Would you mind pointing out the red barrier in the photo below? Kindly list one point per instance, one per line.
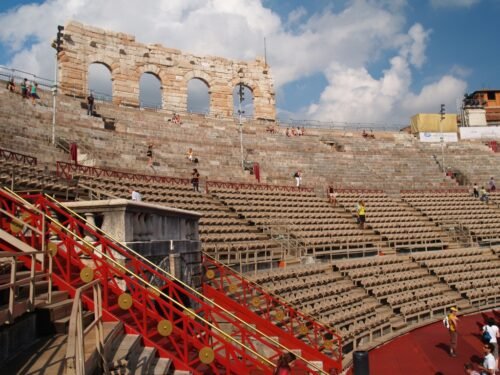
(68, 170)
(16, 156)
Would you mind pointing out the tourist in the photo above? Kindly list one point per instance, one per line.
(475, 190)
(361, 214)
(469, 369)
(11, 86)
(452, 329)
(302, 131)
(492, 184)
(189, 154)
(149, 154)
(333, 197)
(287, 132)
(298, 178)
(33, 92)
(483, 195)
(493, 332)
(24, 89)
(195, 180)
(135, 196)
(90, 105)
(489, 364)
(283, 365)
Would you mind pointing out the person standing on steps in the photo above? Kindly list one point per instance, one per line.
(34, 92)
(149, 154)
(135, 195)
(298, 178)
(90, 105)
(492, 185)
(361, 214)
(24, 89)
(195, 180)
(475, 190)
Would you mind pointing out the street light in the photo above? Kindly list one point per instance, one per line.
(240, 113)
(443, 116)
(57, 44)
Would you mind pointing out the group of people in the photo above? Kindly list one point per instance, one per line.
(29, 90)
(294, 132)
(483, 194)
(176, 119)
(366, 135)
(490, 336)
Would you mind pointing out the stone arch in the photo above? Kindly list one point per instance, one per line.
(150, 90)
(109, 63)
(203, 77)
(199, 75)
(100, 81)
(198, 96)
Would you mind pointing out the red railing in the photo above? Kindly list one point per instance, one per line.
(192, 338)
(268, 307)
(240, 186)
(16, 156)
(68, 170)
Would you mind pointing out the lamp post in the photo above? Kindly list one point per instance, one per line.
(240, 113)
(443, 116)
(58, 47)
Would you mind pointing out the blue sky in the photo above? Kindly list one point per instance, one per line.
(341, 61)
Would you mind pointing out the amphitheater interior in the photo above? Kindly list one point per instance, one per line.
(427, 245)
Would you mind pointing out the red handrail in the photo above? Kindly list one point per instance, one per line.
(16, 156)
(192, 341)
(67, 170)
(272, 309)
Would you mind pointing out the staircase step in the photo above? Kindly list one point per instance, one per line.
(61, 325)
(141, 360)
(160, 366)
(57, 296)
(59, 310)
(128, 345)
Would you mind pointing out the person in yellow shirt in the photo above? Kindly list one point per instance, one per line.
(361, 214)
(452, 329)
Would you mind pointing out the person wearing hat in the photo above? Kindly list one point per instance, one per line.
(452, 329)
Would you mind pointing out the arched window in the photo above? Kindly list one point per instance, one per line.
(198, 96)
(246, 102)
(99, 81)
(150, 91)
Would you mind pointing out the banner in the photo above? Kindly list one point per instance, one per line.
(436, 137)
(480, 132)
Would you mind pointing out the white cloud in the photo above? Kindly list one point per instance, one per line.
(340, 43)
(453, 3)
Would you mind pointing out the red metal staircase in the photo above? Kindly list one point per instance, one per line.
(274, 316)
(204, 339)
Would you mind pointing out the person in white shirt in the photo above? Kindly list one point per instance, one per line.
(493, 331)
(489, 363)
(136, 196)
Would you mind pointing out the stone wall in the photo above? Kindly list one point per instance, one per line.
(127, 60)
(166, 236)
